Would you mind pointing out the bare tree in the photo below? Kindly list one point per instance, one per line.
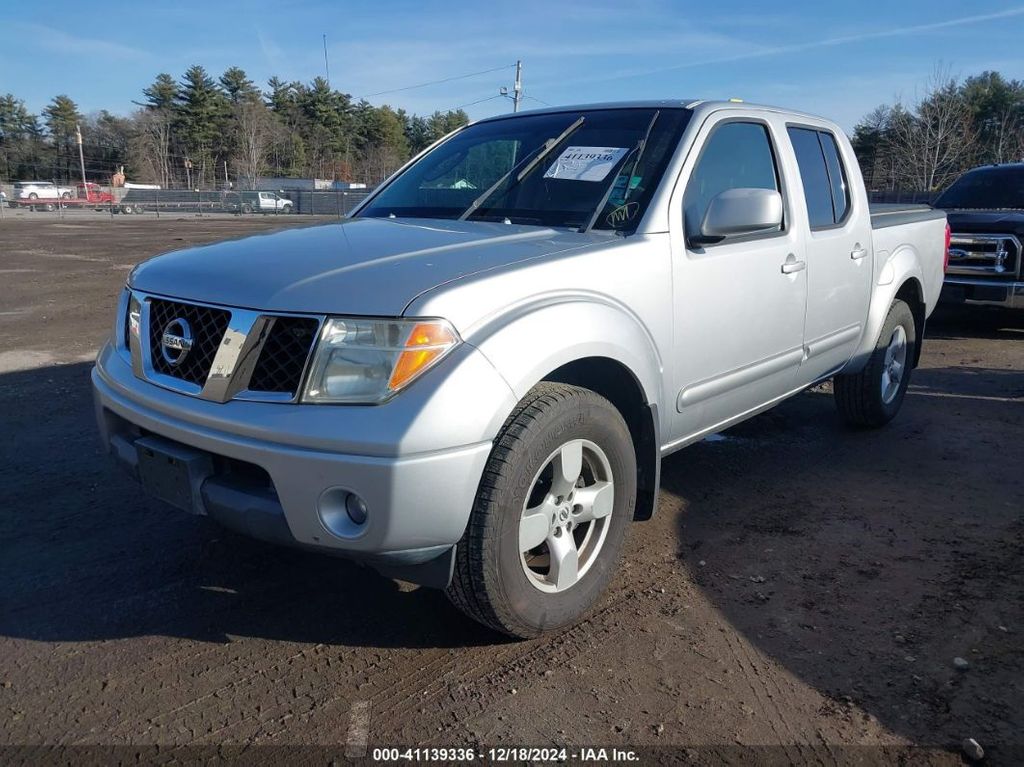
(256, 134)
(1008, 137)
(933, 139)
(151, 147)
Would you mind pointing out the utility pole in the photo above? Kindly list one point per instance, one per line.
(227, 184)
(327, 64)
(188, 173)
(81, 159)
(517, 89)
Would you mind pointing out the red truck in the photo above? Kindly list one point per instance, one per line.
(87, 196)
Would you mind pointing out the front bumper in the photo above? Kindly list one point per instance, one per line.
(419, 502)
(972, 290)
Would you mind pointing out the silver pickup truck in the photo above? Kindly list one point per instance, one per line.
(471, 383)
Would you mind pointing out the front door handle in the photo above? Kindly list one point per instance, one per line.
(792, 265)
(858, 252)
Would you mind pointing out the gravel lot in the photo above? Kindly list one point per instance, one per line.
(802, 586)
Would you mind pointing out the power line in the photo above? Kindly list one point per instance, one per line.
(471, 103)
(437, 82)
(534, 98)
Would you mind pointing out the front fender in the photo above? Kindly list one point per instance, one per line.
(903, 265)
(528, 341)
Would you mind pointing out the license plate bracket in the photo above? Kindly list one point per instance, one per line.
(173, 473)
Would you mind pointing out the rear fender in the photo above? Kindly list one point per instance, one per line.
(899, 268)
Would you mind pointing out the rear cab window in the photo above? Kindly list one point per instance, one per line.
(822, 175)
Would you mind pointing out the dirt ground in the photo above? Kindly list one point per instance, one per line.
(802, 586)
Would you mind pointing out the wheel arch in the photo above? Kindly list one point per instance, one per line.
(617, 384)
(590, 341)
(912, 293)
(900, 277)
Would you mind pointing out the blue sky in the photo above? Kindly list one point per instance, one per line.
(835, 59)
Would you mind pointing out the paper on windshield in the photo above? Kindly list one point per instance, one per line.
(585, 163)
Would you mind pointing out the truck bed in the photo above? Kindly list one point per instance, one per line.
(895, 214)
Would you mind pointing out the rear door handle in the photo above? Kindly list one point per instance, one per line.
(793, 266)
(858, 252)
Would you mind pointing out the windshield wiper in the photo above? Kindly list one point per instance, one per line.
(638, 149)
(548, 147)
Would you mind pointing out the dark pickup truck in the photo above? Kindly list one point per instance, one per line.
(985, 210)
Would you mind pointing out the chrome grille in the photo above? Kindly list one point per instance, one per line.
(208, 326)
(990, 255)
(283, 358)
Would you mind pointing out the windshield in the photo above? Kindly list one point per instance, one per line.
(580, 169)
(995, 187)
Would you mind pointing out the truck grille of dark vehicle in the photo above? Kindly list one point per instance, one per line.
(280, 365)
(208, 326)
(987, 255)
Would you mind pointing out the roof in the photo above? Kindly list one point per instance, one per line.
(701, 104)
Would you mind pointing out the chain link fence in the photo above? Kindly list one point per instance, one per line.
(160, 202)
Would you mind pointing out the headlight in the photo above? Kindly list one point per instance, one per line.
(369, 361)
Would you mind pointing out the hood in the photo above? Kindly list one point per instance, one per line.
(986, 221)
(369, 266)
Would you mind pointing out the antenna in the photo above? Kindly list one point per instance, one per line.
(327, 64)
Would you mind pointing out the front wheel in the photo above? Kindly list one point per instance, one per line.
(873, 396)
(550, 516)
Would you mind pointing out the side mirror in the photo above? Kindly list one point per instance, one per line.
(736, 212)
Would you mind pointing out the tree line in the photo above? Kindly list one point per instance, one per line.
(951, 125)
(199, 131)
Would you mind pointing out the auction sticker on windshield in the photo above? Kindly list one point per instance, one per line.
(585, 163)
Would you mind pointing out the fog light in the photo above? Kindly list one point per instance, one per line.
(356, 508)
(343, 512)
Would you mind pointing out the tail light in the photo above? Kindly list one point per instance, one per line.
(945, 255)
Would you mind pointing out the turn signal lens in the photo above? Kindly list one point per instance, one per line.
(427, 343)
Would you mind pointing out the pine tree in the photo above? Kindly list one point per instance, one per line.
(237, 86)
(200, 116)
(162, 94)
(62, 116)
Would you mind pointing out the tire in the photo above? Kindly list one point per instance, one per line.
(49, 207)
(872, 397)
(127, 209)
(33, 196)
(65, 195)
(246, 208)
(522, 594)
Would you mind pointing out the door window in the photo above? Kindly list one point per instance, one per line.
(738, 155)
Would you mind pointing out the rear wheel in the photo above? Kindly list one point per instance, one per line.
(246, 208)
(873, 396)
(65, 195)
(127, 209)
(550, 516)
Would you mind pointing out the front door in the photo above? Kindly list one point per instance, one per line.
(739, 304)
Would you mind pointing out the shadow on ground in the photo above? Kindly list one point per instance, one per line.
(865, 562)
(84, 555)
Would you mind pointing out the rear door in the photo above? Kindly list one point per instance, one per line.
(836, 225)
(739, 315)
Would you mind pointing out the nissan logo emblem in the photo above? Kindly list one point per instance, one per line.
(176, 342)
